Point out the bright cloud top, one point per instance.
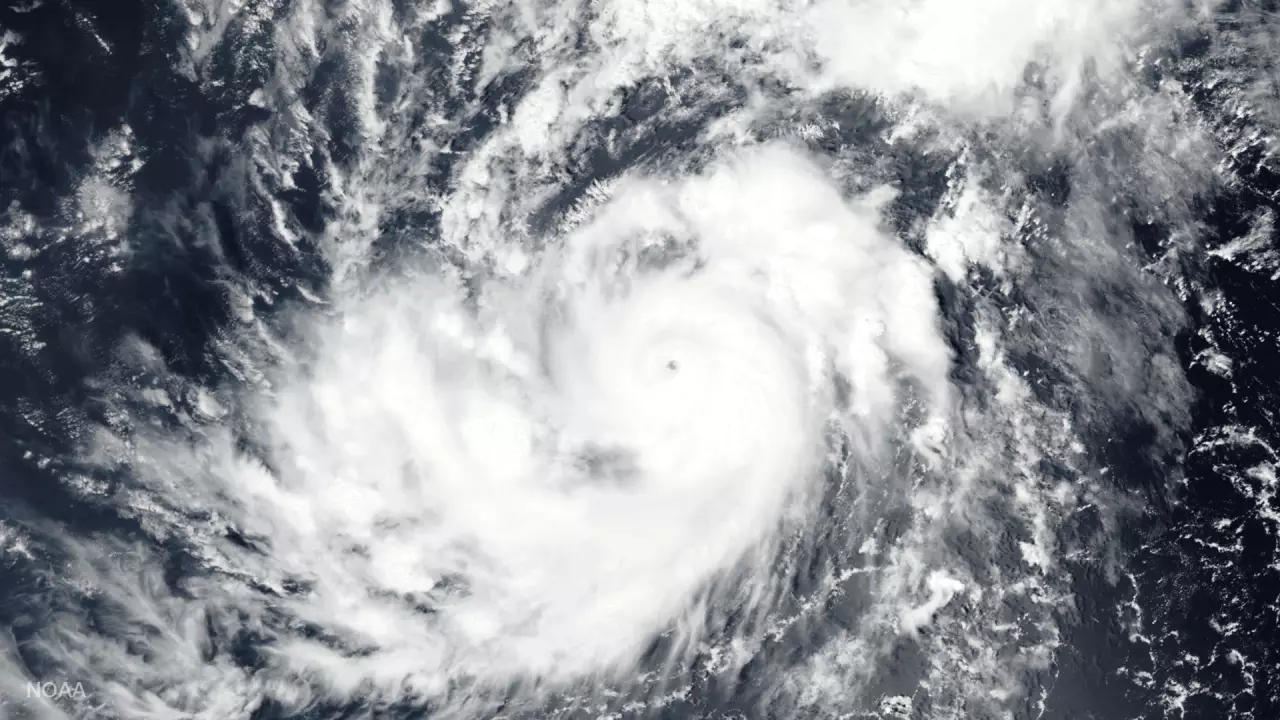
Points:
(541, 484)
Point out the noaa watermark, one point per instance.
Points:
(56, 691)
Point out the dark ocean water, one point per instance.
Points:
(1177, 616)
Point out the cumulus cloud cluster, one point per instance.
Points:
(531, 461)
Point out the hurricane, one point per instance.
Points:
(718, 359)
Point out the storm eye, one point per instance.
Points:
(673, 366)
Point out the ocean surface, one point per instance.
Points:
(723, 359)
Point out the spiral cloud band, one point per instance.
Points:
(563, 471)
(635, 358)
